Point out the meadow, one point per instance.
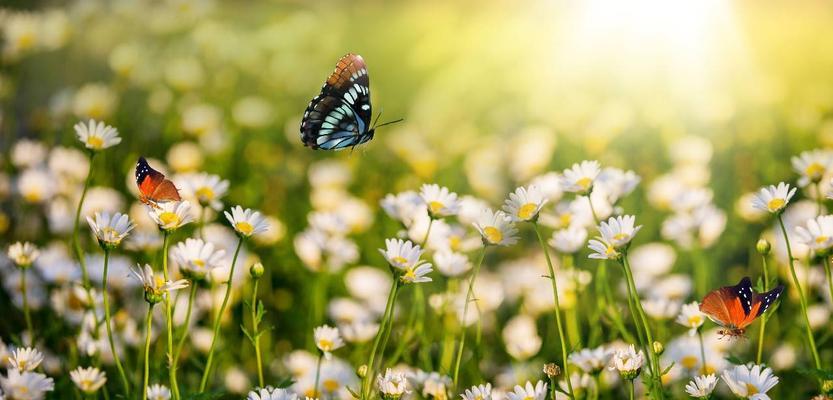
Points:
(571, 186)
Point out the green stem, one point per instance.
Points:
(829, 275)
(105, 299)
(469, 293)
(562, 336)
(810, 340)
(703, 368)
(317, 376)
(632, 390)
(85, 277)
(819, 199)
(656, 370)
(217, 320)
(26, 314)
(186, 325)
(148, 326)
(256, 336)
(368, 378)
(764, 319)
(169, 319)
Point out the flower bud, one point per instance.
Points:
(256, 270)
(658, 348)
(551, 370)
(362, 371)
(827, 386)
(763, 247)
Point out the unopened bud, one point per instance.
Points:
(362, 371)
(658, 348)
(827, 387)
(763, 247)
(552, 370)
(256, 270)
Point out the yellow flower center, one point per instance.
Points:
(620, 236)
(689, 362)
(325, 344)
(330, 385)
(709, 369)
(775, 204)
(436, 206)
(86, 384)
(244, 228)
(529, 398)
(21, 364)
(454, 242)
(410, 275)
(751, 389)
(32, 196)
(695, 320)
(169, 218)
(311, 393)
(159, 281)
(493, 235)
(95, 142)
(610, 251)
(199, 263)
(205, 194)
(527, 211)
(399, 260)
(23, 389)
(584, 183)
(821, 239)
(565, 219)
(814, 171)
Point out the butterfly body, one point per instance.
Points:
(736, 307)
(154, 188)
(340, 116)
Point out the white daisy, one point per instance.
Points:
(401, 254)
(403, 207)
(619, 231)
(661, 308)
(528, 392)
(327, 339)
(750, 381)
(812, 165)
(524, 204)
(417, 273)
(154, 285)
(159, 392)
(818, 235)
(206, 189)
(580, 177)
(358, 331)
(96, 135)
(480, 392)
(392, 385)
(701, 387)
(592, 361)
(440, 201)
(569, 240)
(616, 183)
(23, 253)
(451, 264)
(36, 185)
(773, 198)
(691, 317)
(496, 228)
(27, 385)
(603, 250)
(269, 393)
(88, 380)
(25, 359)
(110, 230)
(171, 215)
(628, 362)
(246, 222)
(196, 257)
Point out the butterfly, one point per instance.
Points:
(153, 186)
(735, 307)
(339, 117)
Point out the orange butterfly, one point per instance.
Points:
(735, 307)
(153, 187)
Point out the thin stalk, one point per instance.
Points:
(632, 389)
(217, 320)
(829, 275)
(819, 199)
(388, 311)
(764, 319)
(148, 325)
(106, 301)
(85, 277)
(317, 376)
(469, 293)
(656, 370)
(703, 369)
(186, 325)
(562, 336)
(169, 322)
(803, 300)
(26, 303)
(256, 336)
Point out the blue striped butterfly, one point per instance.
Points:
(339, 117)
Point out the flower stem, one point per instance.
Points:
(656, 370)
(632, 389)
(85, 277)
(148, 326)
(317, 376)
(169, 323)
(186, 325)
(469, 293)
(106, 301)
(703, 368)
(803, 300)
(26, 304)
(394, 287)
(562, 336)
(829, 275)
(764, 319)
(217, 320)
(256, 336)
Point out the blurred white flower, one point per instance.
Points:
(580, 177)
(451, 264)
(750, 381)
(358, 331)
(96, 135)
(528, 392)
(702, 386)
(171, 215)
(28, 153)
(327, 339)
(68, 163)
(524, 203)
(615, 183)
(550, 185)
(89, 379)
(155, 287)
(246, 222)
(23, 253)
(746, 210)
(252, 112)
(110, 230)
(401, 254)
(25, 385)
(269, 393)
(628, 362)
(36, 185)
(392, 385)
(95, 101)
(440, 201)
(773, 198)
(569, 240)
(403, 206)
(818, 234)
(592, 361)
(329, 223)
(812, 165)
(661, 308)
(25, 359)
(496, 228)
(159, 392)
(619, 231)
(520, 336)
(691, 317)
(185, 157)
(602, 250)
(196, 258)
(200, 119)
(206, 189)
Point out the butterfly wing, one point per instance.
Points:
(166, 191)
(730, 306)
(339, 117)
(715, 307)
(147, 178)
(766, 299)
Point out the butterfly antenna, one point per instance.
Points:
(377, 118)
(390, 122)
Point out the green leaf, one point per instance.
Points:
(668, 368)
(354, 394)
(246, 332)
(734, 360)
(285, 383)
